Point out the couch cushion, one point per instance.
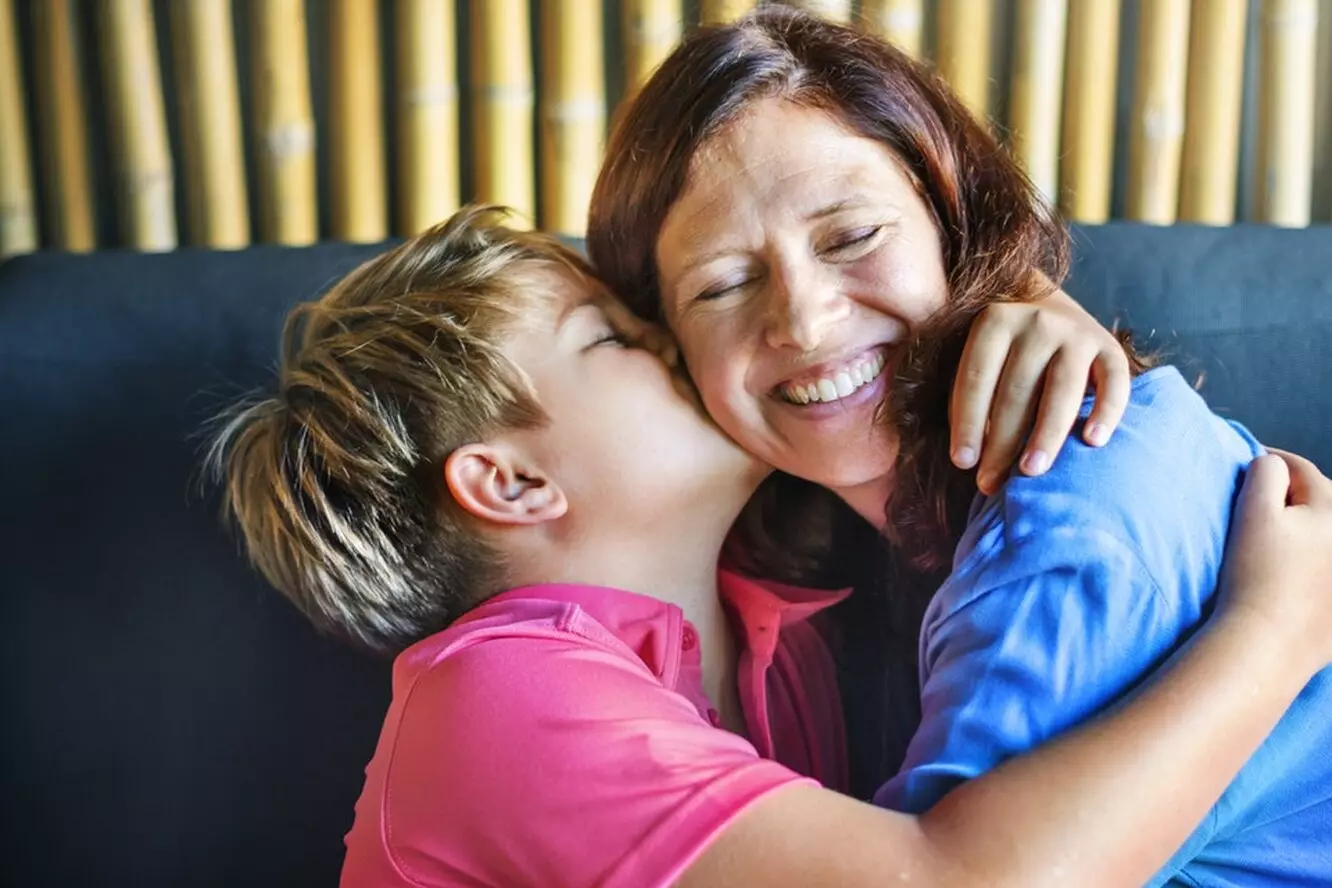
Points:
(1248, 310)
(171, 720)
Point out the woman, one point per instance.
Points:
(817, 220)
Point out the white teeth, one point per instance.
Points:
(838, 386)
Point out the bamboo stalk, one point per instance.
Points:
(284, 125)
(719, 12)
(1286, 111)
(18, 203)
(964, 51)
(1212, 122)
(1038, 90)
(62, 110)
(901, 22)
(217, 206)
(832, 10)
(502, 106)
(1087, 163)
(573, 112)
(427, 95)
(1157, 134)
(357, 177)
(1322, 209)
(652, 28)
(137, 120)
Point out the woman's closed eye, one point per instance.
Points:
(852, 243)
(724, 288)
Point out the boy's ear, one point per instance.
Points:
(496, 484)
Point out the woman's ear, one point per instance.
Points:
(497, 484)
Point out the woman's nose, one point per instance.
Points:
(803, 309)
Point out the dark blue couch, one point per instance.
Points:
(171, 721)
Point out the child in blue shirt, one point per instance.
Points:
(1069, 588)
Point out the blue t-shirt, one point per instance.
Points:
(1069, 589)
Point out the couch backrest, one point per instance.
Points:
(169, 719)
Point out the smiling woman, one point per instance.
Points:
(804, 206)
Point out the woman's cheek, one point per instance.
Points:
(901, 284)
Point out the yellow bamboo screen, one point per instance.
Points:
(1038, 89)
(1090, 74)
(573, 115)
(144, 171)
(18, 204)
(503, 102)
(963, 53)
(301, 120)
(213, 146)
(1286, 111)
(284, 125)
(427, 107)
(1323, 122)
(900, 21)
(357, 175)
(651, 30)
(719, 11)
(1156, 136)
(62, 110)
(1212, 122)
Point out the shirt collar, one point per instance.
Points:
(654, 629)
(763, 607)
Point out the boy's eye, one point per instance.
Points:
(610, 338)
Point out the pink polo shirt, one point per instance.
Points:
(560, 735)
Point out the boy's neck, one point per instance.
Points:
(677, 565)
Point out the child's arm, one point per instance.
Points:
(1021, 381)
(1109, 802)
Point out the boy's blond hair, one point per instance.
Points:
(336, 482)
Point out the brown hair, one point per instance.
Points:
(1000, 241)
(336, 481)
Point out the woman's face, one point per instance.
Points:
(796, 260)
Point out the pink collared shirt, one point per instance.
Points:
(560, 735)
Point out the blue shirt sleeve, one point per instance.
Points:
(1022, 643)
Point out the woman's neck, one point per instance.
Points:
(870, 500)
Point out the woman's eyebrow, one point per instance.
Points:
(850, 203)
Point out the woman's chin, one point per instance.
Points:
(863, 485)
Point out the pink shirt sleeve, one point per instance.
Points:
(555, 760)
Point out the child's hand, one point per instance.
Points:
(1023, 354)
(1278, 567)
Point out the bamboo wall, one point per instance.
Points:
(152, 124)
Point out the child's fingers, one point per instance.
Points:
(1015, 404)
(978, 374)
(1266, 485)
(1307, 486)
(1065, 387)
(1112, 381)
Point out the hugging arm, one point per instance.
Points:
(1021, 381)
(1107, 803)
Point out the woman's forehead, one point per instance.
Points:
(799, 164)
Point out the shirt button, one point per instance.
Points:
(689, 640)
(715, 717)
